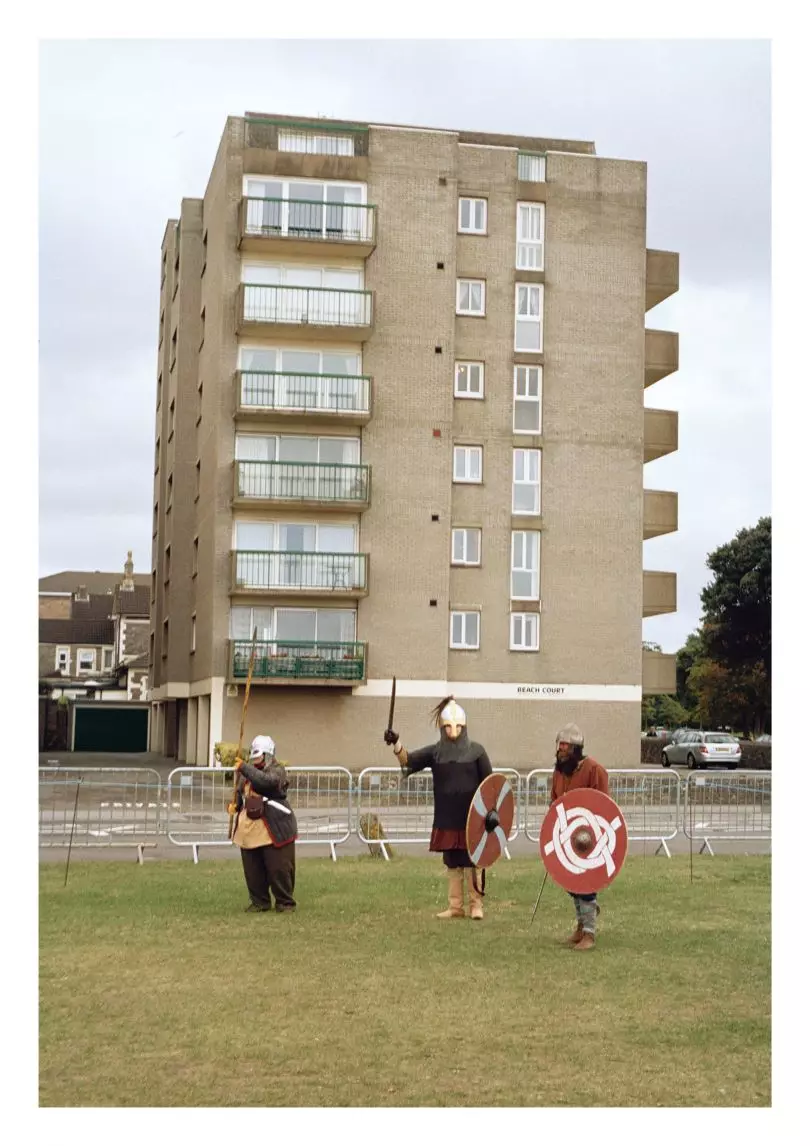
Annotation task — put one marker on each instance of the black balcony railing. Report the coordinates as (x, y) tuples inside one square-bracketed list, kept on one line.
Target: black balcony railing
[(328, 393), (265, 569), (316, 306), (305, 219), (302, 481), (300, 660)]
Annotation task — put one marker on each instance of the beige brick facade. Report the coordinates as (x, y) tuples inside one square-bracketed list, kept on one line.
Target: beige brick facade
[(595, 289)]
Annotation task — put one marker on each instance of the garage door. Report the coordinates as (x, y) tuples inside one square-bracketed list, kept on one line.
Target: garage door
[(110, 729)]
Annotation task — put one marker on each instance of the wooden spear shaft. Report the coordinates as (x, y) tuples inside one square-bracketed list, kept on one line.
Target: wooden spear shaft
[(242, 727)]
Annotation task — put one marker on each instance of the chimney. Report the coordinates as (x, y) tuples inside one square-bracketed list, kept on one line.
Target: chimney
[(82, 594), (128, 584)]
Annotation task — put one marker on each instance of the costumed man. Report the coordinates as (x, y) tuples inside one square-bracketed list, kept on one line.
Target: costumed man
[(265, 829), (574, 769), (458, 765)]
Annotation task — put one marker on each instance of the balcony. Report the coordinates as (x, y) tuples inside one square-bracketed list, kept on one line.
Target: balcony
[(302, 227), (658, 673), (337, 663), (309, 574), (660, 355), (317, 397), (660, 593), (660, 512), (663, 276), (322, 484), (660, 433), (315, 312)]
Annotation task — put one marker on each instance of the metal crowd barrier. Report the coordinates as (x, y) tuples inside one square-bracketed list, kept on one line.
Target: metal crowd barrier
[(390, 808), (649, 799), (727, 807), (101, 807), (199, 798)]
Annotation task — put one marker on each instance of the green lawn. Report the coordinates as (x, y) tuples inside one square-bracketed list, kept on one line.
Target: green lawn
[(157, 990)]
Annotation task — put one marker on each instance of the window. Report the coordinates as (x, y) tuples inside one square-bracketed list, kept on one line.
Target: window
[(525, 584), (193, 633), (167, 565), (169, 491), (63, 660), (470, 296), (531, 168), (174, 350), (202, 327), (467, 463), (199, 403), (155, 520), (524, 632), (159, 389), (525, 481), (106, 659), (469, 380), (466, 547), (528, 316), (472, 216), (306, 379), (464, 630), (323, 295), (312, 210), (86, 660), (195, 556), (171, 420), (197, 480), (530, 228), (527, 418), (153, 596), (311, 143), (335, 626), (157, 454), (164, 652)]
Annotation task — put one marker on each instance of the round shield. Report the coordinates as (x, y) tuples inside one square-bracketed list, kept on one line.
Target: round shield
[(489, 820), (583, 841)]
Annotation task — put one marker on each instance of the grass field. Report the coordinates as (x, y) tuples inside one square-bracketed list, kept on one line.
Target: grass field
[(157, 990)]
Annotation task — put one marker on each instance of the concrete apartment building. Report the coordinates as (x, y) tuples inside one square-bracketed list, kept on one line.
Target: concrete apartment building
[(401, 431)]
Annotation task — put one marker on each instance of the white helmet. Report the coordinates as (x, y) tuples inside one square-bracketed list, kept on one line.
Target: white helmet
[(262, 746), (453, 714), (570, 734)]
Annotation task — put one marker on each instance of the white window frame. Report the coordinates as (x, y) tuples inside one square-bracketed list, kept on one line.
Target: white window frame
[(526, 319), (460, 393), (463, 531), (525, 618), (273, 612), (460, 284), (62, 649), (526, 453), (528, 541), (531, 167), (529, 245), (523, 373), (107, 658), (85, 652), (315, 142), (471, 230), (193, 648), (467, 452), (465, 643)]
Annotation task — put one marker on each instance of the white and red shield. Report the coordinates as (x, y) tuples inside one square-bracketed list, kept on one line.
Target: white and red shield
[(583, 841), (489, 820)]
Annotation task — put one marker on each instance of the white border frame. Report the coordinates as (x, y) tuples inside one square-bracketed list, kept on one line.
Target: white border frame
[(461, 395), (79, 668), (465, 613), (482, 313), (468, 480), (512, 570), (519, 398), (513, 648), (529, 319), (472, 230), (528, 512), (527, 243), (466, 529)]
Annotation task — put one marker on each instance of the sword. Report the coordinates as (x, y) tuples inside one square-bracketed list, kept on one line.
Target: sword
[(391, 706)]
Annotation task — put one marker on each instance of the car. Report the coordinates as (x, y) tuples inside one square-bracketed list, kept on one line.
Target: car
[(698, 749), (678, 735)]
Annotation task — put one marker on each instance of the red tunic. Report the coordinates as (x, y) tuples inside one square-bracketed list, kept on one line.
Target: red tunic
[(588, 774)]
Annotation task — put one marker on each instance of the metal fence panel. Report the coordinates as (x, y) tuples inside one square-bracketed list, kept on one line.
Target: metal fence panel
[(723, 806), (114, 807), (649, 799), (199, 798), (403, 806)]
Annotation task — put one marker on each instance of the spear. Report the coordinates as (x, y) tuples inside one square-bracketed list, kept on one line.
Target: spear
[(242, 728)]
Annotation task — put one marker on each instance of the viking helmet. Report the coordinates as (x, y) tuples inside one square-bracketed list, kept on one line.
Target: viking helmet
[(261, 747), (570, 734), (453, 715)]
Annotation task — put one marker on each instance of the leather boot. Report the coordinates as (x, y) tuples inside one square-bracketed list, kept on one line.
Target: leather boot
[(476, 899), (455, 895), (586, 942), (574, 937)]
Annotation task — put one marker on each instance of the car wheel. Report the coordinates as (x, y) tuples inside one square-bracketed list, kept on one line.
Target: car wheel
[(690, 761), (665, 759)]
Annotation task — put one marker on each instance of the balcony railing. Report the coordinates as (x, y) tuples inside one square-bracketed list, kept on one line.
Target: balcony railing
[(302, 481), (262, 570), (326, 393), (300, 660), (316, 306), (305, 219)]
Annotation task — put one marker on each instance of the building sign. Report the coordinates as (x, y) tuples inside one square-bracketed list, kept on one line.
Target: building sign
[(497, 690)]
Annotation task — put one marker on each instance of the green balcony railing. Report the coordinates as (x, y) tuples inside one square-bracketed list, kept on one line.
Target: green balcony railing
[(308, 219), (300, 660), (301, 306), (257, 570), (302, 481), (325, 393)]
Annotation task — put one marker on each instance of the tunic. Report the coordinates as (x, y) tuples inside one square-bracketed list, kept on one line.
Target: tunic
[(458, 767)]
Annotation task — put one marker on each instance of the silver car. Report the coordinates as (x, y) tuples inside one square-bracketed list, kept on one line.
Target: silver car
[(699, 749)]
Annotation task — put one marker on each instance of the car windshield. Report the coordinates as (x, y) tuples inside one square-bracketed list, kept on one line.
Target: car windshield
[(719, 738)]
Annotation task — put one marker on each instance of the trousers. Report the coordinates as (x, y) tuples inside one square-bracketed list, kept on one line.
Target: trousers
[(270, 870)]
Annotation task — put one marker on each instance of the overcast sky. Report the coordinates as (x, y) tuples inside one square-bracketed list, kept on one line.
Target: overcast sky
[(128, 128)]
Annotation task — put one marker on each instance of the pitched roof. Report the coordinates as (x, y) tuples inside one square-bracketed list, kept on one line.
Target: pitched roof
[(98, 607), (76, 632), (94, 582), (132, 602)]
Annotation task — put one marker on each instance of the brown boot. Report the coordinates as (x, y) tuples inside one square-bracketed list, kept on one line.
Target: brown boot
[(476, 899), (574, 937), (455, 895), (586, 942)]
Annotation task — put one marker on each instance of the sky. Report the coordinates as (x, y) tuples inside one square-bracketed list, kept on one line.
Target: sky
[(129, 127)]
